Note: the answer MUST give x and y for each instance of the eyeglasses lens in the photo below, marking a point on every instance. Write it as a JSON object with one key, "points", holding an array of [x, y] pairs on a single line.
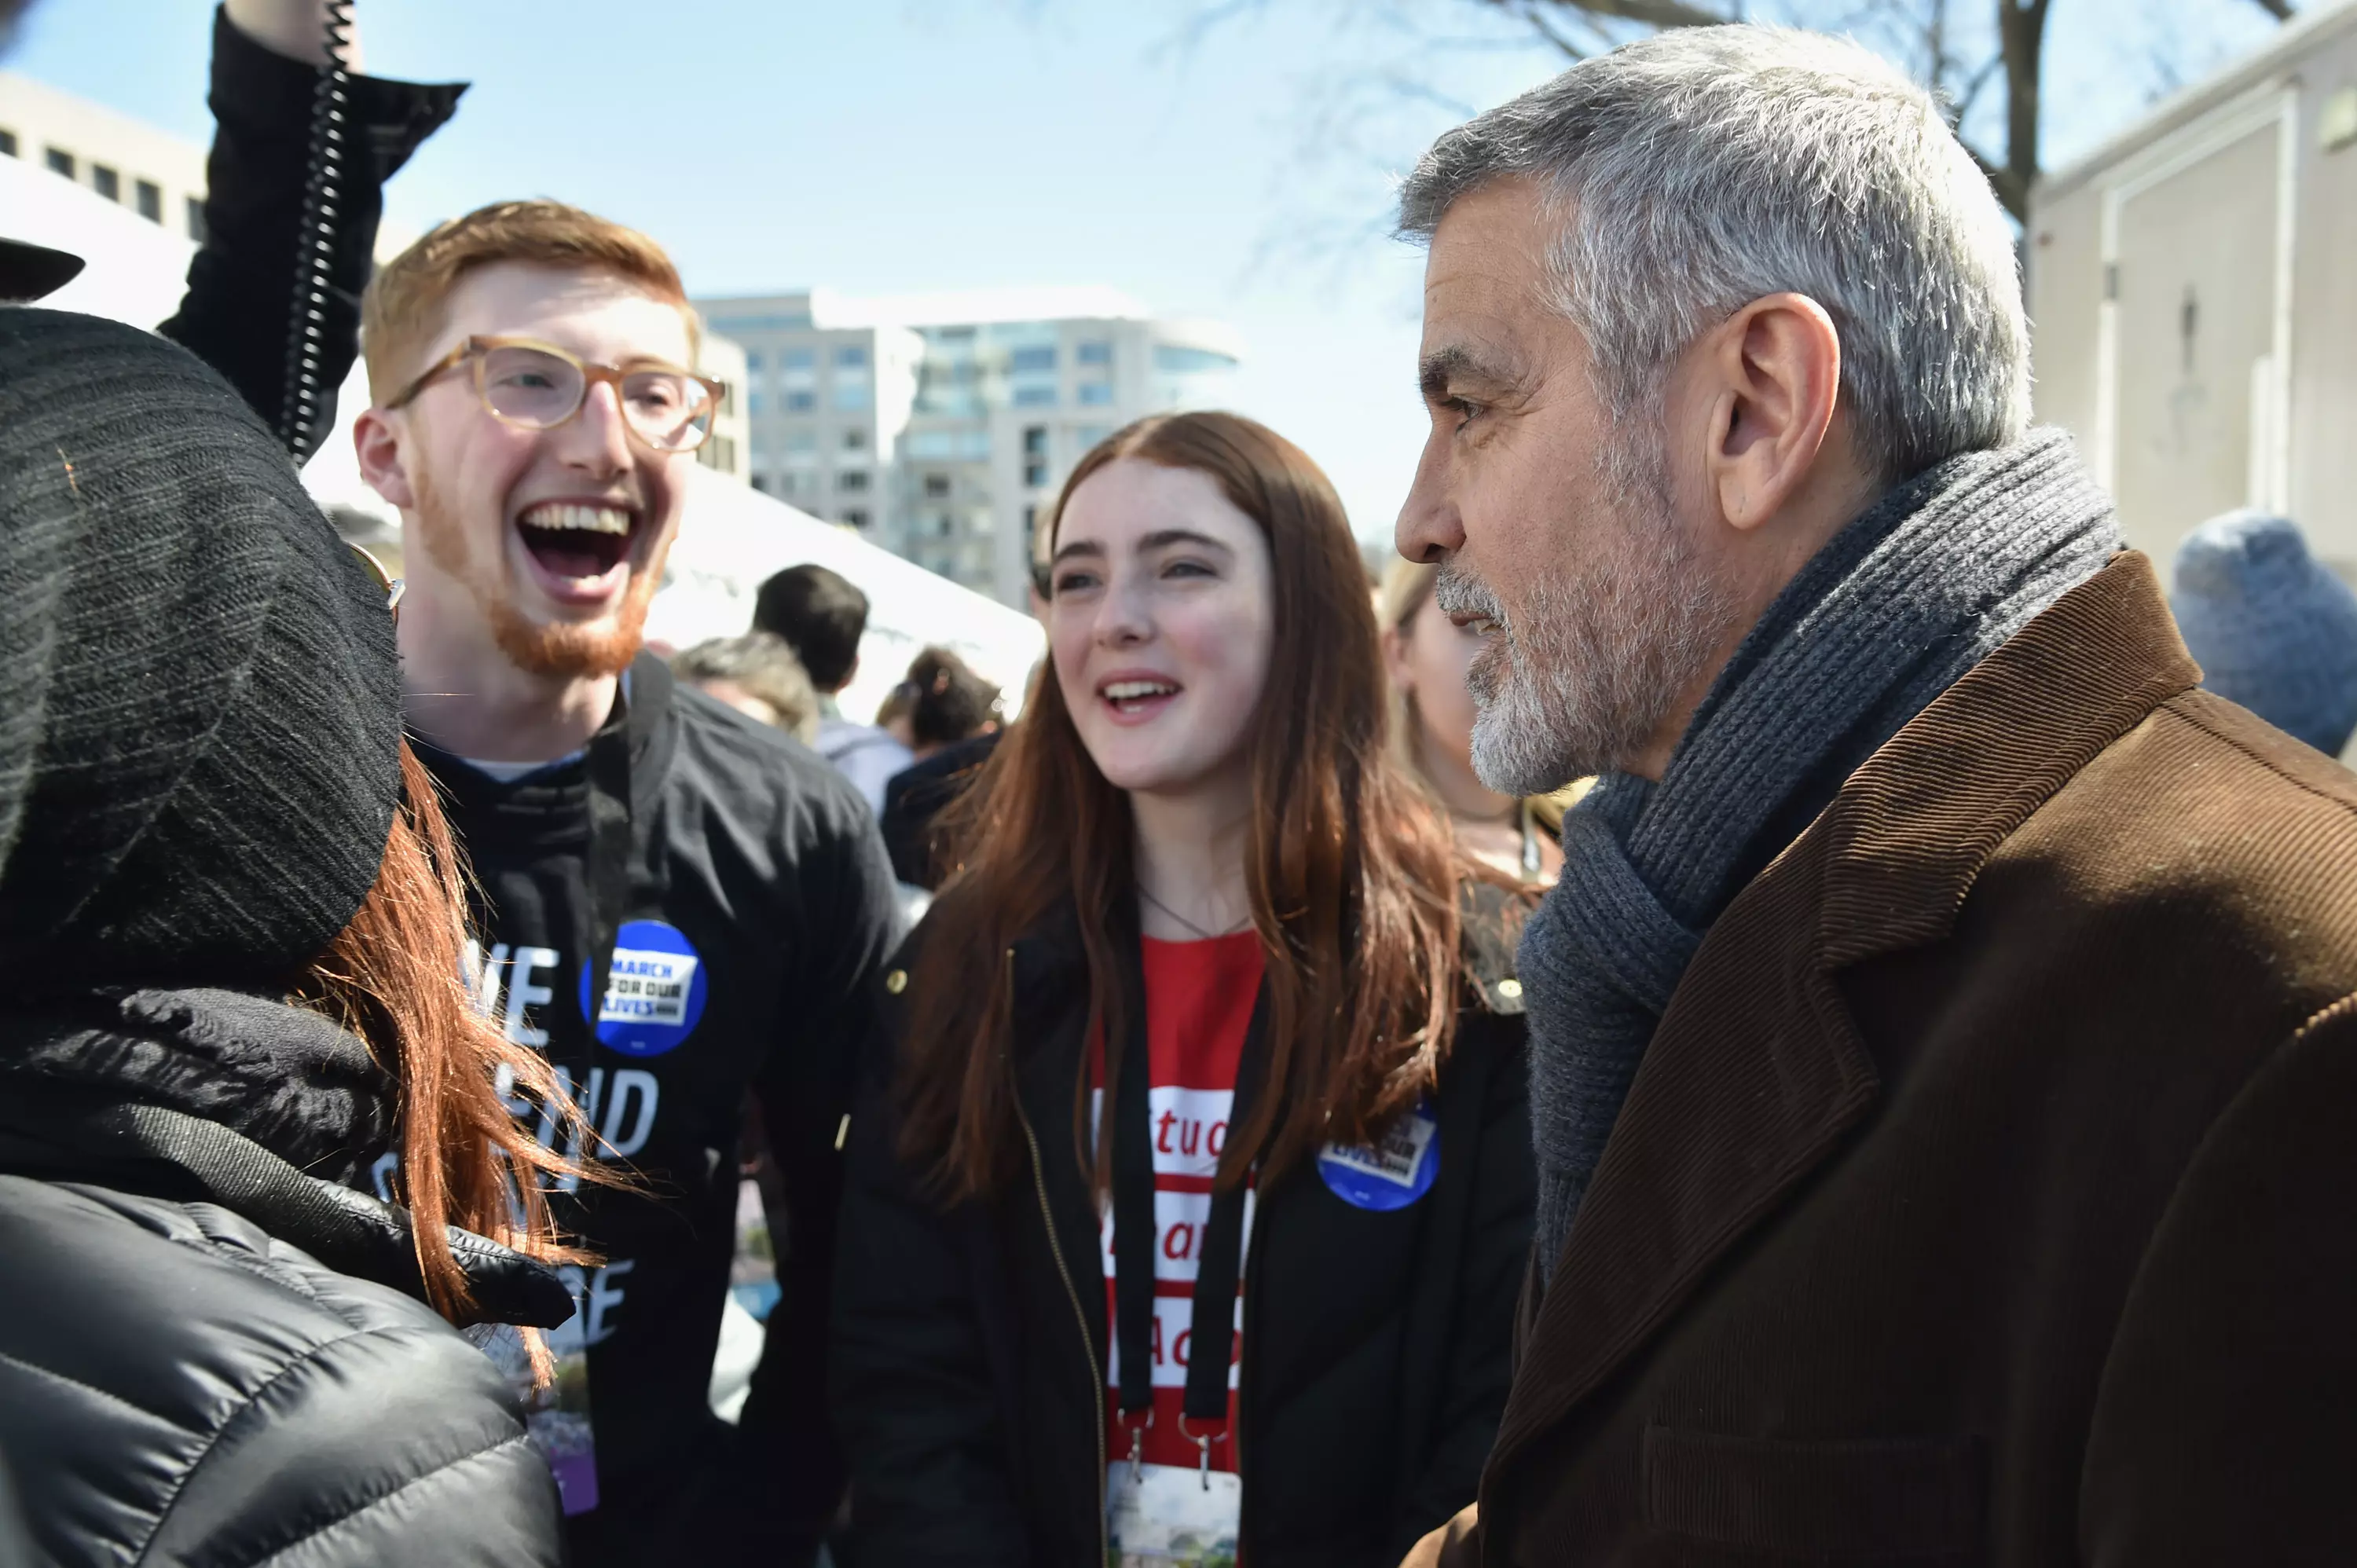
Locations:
{"points": [[529, 387], [669, 409]]}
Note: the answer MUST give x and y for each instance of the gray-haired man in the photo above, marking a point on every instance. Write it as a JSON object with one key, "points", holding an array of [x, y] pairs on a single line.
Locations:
{"points": [[1945, 1033]]}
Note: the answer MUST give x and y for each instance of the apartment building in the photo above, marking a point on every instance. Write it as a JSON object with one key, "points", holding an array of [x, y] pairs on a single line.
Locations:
{"points": [[940, 425], [153, 173]]}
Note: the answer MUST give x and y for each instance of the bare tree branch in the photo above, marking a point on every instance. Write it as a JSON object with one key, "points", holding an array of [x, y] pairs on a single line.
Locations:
{"points": [[1539, 24], [1645, 13]]}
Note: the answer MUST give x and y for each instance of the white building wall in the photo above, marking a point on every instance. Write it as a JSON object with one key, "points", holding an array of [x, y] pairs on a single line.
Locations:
{"points": [[149, 172]]}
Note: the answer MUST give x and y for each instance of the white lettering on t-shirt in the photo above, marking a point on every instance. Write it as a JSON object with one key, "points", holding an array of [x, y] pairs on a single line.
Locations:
{"points": [[524, 994], [633, 1089]]}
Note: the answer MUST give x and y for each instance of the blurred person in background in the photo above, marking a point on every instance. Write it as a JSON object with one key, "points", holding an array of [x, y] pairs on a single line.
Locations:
{"points": [[681, 907], [1944, 1029], [1209, 970], [941, 702], [2270, 625], [1425, 655], [823, 614], [231, 920], [949, 718], [757, 675]]}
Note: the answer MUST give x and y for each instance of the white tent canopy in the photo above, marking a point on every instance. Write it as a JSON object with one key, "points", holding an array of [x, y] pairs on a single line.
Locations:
{"points": [[731, 537], [734, 537]]}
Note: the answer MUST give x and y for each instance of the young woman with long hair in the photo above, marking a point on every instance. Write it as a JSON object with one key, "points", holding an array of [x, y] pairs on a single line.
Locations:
{"points": [[1426, 658], [231, 918], [1211, 1007]]}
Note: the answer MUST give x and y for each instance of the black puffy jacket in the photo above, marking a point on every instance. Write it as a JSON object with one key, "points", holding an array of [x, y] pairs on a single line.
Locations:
{"points": [[209, 1358], [970, 1346]]}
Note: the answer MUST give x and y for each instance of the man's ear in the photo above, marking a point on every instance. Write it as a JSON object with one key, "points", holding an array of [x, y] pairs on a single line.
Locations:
{"points": [[1775, 371], [376, 442]]}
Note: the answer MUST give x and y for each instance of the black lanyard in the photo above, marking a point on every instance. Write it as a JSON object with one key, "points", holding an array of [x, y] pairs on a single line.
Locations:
{"points": [[1219, 1258], [608, 878]]}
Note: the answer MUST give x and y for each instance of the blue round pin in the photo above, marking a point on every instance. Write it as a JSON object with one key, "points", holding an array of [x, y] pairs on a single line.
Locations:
{"points": [[654, 996], [1393, 1173]]}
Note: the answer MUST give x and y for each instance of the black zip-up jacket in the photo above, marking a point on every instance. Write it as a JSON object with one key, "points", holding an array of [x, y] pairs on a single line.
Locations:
{"points": [[753, 857], [214, 1352], [239, 313], [970, 1346]]}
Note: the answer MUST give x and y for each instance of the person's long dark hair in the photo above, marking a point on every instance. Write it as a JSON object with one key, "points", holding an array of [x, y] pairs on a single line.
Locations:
{"points": [[1353, 878]]}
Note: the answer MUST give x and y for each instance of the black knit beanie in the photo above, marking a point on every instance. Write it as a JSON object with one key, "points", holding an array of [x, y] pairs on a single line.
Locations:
{"points": [[200, 703]]}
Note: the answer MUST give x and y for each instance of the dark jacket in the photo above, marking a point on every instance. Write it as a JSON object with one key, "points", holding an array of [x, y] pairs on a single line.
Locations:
{"points": [[239, 313], [1983, 1197], [209, 1357], [755, 876], [970, 1347]]}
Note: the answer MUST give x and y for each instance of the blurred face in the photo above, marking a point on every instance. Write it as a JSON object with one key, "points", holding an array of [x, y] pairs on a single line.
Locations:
{"points": [[1428, 658], [1559, 539], [1160, 624], [554, 538]]}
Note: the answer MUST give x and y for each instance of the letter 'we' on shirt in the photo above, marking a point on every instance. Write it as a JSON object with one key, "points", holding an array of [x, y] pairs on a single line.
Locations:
{"points": [[1199, 1005]]}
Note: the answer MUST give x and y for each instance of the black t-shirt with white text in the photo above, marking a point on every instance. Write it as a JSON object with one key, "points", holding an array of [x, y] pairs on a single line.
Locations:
{"points": [[760, 905]]}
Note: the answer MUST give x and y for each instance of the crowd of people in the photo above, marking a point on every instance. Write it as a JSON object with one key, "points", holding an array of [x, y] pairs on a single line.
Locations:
{"points": [[1749, 1001]]}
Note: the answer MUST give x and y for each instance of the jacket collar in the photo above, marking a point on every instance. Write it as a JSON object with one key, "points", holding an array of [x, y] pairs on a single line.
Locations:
{"points": [[1757, 1070], [213, 1095]]}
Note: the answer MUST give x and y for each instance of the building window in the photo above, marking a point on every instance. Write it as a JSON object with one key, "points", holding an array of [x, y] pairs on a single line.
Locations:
{"points": [[752, 364], [1039, 358], [1096, 352], [761, 483], [855, 438], [8, 143], [800, 402], [62, 162], [150, 198], [719, 452], [944, 525], [801, 445], [752, 401], [797, 359], [936, 486], [851, 357], [106, 182], [1087, 437], [1035, 441], [1035, 397], [854, 517], [1095, 394], [197, 219], [851, 397], [851, 482]]}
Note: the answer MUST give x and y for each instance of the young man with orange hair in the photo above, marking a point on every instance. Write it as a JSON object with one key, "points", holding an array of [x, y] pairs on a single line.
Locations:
{"points": [[718, 893]]}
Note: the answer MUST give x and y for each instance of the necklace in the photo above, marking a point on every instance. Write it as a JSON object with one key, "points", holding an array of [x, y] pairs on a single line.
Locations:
{"points": [[1148, 894]]}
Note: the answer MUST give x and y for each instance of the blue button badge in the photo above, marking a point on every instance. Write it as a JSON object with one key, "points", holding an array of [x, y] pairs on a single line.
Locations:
{"points": [[1396, 1171], [654, 996]]}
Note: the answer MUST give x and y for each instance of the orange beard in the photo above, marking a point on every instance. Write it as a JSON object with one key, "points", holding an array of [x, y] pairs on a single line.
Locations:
{"points": [[564, 649]]}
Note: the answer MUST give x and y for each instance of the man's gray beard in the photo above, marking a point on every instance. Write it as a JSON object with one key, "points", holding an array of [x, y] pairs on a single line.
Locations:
{"points": [[1582, 674]]}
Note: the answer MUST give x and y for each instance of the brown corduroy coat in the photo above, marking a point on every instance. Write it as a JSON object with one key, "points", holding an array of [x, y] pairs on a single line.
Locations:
{"points": [[1988, 1193]]}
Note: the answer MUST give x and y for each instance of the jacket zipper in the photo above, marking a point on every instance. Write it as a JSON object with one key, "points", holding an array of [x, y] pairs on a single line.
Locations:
{"points": [[1055, 1251]]}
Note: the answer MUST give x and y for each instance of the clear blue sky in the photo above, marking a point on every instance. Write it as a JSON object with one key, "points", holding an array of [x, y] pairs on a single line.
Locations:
{"points": [[886, 145]]}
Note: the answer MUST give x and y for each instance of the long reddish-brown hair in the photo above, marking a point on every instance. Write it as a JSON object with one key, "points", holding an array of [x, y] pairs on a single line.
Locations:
{"points": [[393, 976], [1353, 878]]}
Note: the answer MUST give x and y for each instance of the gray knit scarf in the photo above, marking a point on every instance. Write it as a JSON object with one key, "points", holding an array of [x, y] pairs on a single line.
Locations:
{"points": [[1910, 595]]}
